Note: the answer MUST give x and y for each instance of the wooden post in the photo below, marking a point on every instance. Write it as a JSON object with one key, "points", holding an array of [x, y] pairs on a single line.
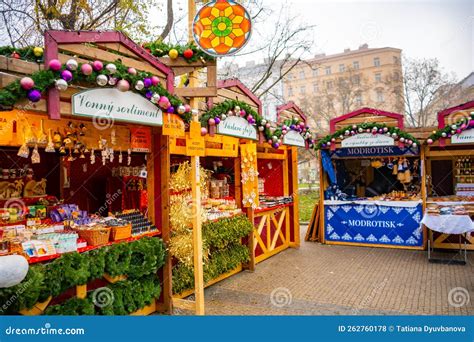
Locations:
{"points": [[423, 164], [322, 237], [251, 241], [196, 192]]}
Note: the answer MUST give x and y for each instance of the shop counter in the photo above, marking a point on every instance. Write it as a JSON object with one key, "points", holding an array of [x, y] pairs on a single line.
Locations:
{"points": [[374, 223]]}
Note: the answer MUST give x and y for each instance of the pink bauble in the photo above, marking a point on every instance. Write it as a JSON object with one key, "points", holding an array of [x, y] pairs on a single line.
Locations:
{"points": [[27, 83], [458, 131], [97, 65], [123, 85], [211, 122], [86, 69], [132, 71], [155, 80], [267, 125], [203, 131], [243, 113], [270, 141], [54, 65], [302, 124], [429, 141], [187, 108], [283, 131]]}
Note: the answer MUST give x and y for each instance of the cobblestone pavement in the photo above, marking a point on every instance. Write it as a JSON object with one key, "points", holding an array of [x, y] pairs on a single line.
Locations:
{"points": [[341, 280]]}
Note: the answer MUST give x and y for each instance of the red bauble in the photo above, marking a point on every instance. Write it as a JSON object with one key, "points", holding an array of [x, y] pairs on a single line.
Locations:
{"points": [[15, 55], [188, 53]]}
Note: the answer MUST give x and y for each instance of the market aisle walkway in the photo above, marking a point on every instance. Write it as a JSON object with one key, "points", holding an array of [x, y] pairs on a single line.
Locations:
{"points": [[331, 280]]}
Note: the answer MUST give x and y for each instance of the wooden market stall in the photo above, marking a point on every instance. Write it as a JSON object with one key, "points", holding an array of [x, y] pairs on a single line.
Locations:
{"points": [[371, 192], [91, 116], [450, 177]]}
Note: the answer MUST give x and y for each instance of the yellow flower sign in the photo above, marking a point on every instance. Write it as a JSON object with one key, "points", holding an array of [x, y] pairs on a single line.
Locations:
{"points": [[222, 27]]}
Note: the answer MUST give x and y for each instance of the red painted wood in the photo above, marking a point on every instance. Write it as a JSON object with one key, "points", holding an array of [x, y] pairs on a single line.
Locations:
{"points": [[53, 101], [442, 114], [288, 106], [234, 82], [398, 117]]}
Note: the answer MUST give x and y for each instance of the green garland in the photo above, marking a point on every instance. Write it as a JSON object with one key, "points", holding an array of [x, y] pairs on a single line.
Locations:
{"points": [[25, 53], [128, 296], [345, 132], [45, 79], [450, 130], [227, 107], [160, 49], [220, 262], [221, 233], [71, 269]]}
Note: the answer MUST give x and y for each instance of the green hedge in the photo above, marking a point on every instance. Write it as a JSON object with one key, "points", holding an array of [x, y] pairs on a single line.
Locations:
{"points": [[136, 259], [220, 262]]}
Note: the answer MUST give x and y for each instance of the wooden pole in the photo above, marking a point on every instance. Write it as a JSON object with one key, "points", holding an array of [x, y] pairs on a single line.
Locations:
{"points": [[423, 163], [196, 192]]}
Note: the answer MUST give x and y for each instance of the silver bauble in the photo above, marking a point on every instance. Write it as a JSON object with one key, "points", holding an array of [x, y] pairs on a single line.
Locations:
{"points": [[102, 80], [72, 64], [139, 85], [111, 68], [60, 84]]}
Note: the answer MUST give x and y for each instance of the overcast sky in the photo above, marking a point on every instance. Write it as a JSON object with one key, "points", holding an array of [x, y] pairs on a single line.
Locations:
{"points": [[443, 29]]}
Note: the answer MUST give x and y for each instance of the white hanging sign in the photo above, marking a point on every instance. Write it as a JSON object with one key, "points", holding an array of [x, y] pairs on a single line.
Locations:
{"points": [[465, 137], [367, 140], [236, 126], [113, 105], [294, 138]]}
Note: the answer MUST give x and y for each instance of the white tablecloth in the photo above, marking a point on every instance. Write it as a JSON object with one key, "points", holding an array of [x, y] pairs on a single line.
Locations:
{"points": [[449, 224]]}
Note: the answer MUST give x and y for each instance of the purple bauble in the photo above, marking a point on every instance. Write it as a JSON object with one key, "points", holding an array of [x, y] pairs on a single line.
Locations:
{"points": [[292, 127], [276, 145], [147, 82], [66, 75], [34, 95], [323, 145], [149, 94], [217, 120], [170, 109]]}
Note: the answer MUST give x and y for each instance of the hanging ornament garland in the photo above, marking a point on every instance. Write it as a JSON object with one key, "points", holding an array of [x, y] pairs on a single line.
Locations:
{"points": [[222, 27], [113, 74], [394, 132], [190, 52], [450, 130], [273, 136]]}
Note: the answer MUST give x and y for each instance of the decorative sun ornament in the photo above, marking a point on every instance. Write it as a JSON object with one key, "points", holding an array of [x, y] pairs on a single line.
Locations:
{"points": [[222, 27]]}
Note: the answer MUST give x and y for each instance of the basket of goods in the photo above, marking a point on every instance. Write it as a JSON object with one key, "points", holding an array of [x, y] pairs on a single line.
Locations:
{"points": [[94, 235], [120, 229]]}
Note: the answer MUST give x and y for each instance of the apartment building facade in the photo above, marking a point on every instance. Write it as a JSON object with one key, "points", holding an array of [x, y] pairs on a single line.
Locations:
{"points": [[327, 86]]}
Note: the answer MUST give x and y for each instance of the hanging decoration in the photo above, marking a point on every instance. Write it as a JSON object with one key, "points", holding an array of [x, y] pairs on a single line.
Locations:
{"points": [[394, 132], [60, 76], [464, 124], [222, 28], [190, 52], [273, 135], [249, 175]]}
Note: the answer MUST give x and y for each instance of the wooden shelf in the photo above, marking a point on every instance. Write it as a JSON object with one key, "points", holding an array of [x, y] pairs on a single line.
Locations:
{"points": [[34, 260]]}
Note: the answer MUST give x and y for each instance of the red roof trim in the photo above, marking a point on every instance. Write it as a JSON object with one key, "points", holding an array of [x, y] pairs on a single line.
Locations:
{"points": [[398, 117], [444, 113], [54, 37], [288, 106], [234, 82]]}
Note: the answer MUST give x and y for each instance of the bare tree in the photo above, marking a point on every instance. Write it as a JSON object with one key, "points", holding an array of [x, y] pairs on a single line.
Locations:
{"points": [[26, 20], [426, 89]]}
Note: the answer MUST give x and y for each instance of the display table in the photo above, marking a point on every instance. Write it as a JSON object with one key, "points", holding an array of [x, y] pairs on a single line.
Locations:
{"points": [[374, 223], [460, 225]]}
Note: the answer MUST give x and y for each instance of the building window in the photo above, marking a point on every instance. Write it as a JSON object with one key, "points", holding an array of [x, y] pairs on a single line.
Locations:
{"points": [[380, 96], [302, 74], [290, 91], [315, 87], [329, 85], [378, 77], [376, 62], [342, 68], [355, 64], [395, 60], [356, 79], [358, 99], [328, 70], [315, 72], [302, 90]]}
